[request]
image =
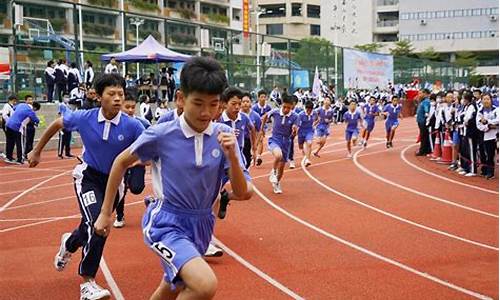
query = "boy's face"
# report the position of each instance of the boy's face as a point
(233, 107)
(199, 109)
(287, 107)
(112, 99)
(486, 101)
(91, 94)
(395, 101)
(449, 98)
(262, 99)
(13, 101)
(246, 103)
(327, 102)
(309, 110)
(129, 107)
(352, 106)
(477, 94)
(29, 100)
(372, 101)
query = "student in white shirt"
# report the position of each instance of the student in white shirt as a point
(111, 67)
(487, 122)
(89, 74)
(50, 80)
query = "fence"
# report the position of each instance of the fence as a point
(288, 63)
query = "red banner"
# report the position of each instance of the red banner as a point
(246, 18)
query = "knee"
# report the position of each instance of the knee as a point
(206, 288)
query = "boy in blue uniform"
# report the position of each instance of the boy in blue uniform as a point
(308, 119)
(285, 124)
(392, 111)
(352, 118)
(105, 133)
(246, 107)
(22, 115)
(194, 155)
(174, 113)
(134, 177)
(370, 111)
(262, 108)
(326, 115)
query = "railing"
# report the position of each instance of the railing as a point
(387, 2)
(388, 23)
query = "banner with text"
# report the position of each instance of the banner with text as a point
(365, 70)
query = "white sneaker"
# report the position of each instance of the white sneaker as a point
(459, 170)
(119, 223)
(63, 256)
(307, 162)
(277, 188)
(90, 290)
(462, 172)
(292, 164)
(349, 155)
(470, 175)
(272, 177)
(213, 251)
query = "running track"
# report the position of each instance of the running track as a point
(383, 225)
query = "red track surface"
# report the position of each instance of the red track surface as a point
(372, 227)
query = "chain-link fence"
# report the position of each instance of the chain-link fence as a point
(287, 63)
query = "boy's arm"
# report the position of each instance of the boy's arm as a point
(120, 165)
(241, 189)
(34, 155)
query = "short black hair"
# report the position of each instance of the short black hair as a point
(287, 99)
(143, 98)
(247, 94)
(261, 92)
(426, 91)
(309, 104)
(36, 106)
(12, 97)
(433, 97)
(394, 97)
(50, 63)
(28, 96)
(105, 80)
(231, 92)
(131, 94)
(204, 75)
(89, 63)
(73, 65)
(467, 96)
(295, 99)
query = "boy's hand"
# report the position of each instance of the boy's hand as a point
(227, 140)
(103, 225)
(33, 158)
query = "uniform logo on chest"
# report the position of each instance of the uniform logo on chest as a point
(216, 153)
(121, 137)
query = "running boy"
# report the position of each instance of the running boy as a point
(352, 118)
(262, 108)
(285, 125)
(326, 115)
(105, 133)
(195, 155)
(370, 112)
(393, 112)
(308, 119)
(246, 107)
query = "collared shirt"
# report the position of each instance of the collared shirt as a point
(282, 124)
(352, 119)
(63, 109)
(169, 116)
(239, 126)
(110, 68)
(393, 111)
(423, 110)
(190, 166)
(7, 111)
(103, 139)
(370, 111)
(261, 110)
(491, 128)
(89, 75)
(325, 116)
(256, 121)
(306, 121)
(22, 115)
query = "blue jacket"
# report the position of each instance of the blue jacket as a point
(423, 109)
(21, 112)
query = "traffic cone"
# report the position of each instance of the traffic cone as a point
(436, 154)
(418, 138)
(447, 147)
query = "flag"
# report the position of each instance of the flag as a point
(316, 88)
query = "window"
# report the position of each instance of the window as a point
(296, 9)
(313, 11)
(467, 35)
(273, 11)
(459, 13)
(476, 34)
(476, 12)
(236, 14)
(405, 16)
(458, 35)
(439, 36)
(494, 11)
(315, 30)
(274, 29)
(468, 12)
(170, 3)
(432, 15)
(440, 14)
(421, 15)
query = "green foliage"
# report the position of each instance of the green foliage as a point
(372, 47)
(186, 13)
(184, 39)
(58, 24)
(107, 3)
(23, 93)
(155, 34)
(467, 60)
(43, 121)
(429, 54)
(314, 52)
(403, 48)
(218, 18)
(144, 5)
(98, 29)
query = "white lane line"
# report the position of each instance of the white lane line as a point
(371, 253)
(402, 155)
(110, 280)
(388, 214)
(22, 179)
(383, 179)
(39, 203)
(257, 271)
(31, 189)
(38, 219)
(40, 188)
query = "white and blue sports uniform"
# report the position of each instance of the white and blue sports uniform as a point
(282, 131)
(325, 118)
(306, 129)
(351, 119)
(370, 111)
(262, 110)
(392, 118)
(241, 127)
(168, 116)
(179, 226)
(103, 140)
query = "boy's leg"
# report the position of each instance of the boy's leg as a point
(19, 147)
(164, 292)
(67, 143)
(280, 169)
(278, 156)
(11, 141)
(199, 279)
(247, 152)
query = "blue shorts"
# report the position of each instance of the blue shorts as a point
(350, 133)
(305, 136)
(280, 142)
(389, 124)
(455, 137)
(369, 125)
(322, 130)
(176, 235)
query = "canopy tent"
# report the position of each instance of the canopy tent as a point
(149, 51)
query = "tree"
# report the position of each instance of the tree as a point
(465, 59)
(403, 48)
(314, 52)
(430, 54)
(372, 47)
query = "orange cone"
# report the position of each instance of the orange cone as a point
(418, 138)
(447, 147)
(436, 155)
